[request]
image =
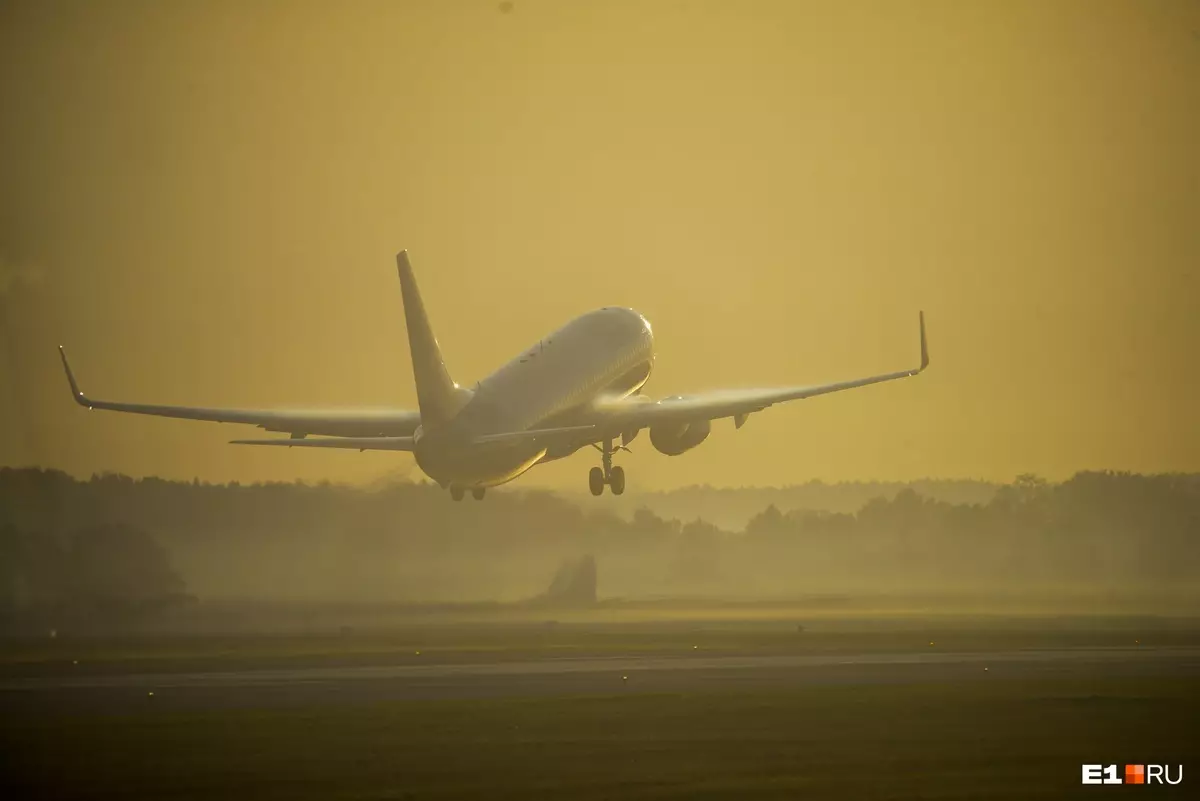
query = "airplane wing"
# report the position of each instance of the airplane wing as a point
(543, 435)
(348, 423)
(546, 435)
(349, 443)
(630, 413)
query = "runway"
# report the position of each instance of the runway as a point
(697, 672)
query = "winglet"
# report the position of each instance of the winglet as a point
(79, 397)
(924, 345)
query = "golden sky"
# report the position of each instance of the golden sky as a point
(202, 201)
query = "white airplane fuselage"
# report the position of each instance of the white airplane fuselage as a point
(605, 353)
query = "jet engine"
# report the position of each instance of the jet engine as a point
(674, 438)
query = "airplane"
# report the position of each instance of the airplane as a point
(578, 386)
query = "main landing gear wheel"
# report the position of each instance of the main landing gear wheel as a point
(617, 480)
(477, 492)
(457, 493)
(612, 476)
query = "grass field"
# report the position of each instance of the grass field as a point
(1007, 736)
(1002, 740)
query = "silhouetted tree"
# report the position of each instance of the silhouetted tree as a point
(80, 544)
(101, 574)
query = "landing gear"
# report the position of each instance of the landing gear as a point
(617, 480)
(477, 492)
(457, 492)
(614, 477)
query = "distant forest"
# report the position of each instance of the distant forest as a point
(114, 546)
(732, 507)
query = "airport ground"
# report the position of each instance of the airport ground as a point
(583, 707)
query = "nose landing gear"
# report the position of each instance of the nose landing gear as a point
(614, 477)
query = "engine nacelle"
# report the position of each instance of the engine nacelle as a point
(674, 439)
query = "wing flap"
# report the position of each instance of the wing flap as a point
(538, 435)
(347, 443)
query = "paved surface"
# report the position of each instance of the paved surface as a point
(582, 676)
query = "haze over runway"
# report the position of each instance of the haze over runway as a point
(203, 201)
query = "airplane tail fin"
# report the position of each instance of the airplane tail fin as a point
(437, 394)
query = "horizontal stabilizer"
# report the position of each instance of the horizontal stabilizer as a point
(348, 443)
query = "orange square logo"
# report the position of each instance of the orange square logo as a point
(1135, 774)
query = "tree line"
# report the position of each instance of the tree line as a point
(112, 545)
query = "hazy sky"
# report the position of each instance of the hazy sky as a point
(202, 201)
